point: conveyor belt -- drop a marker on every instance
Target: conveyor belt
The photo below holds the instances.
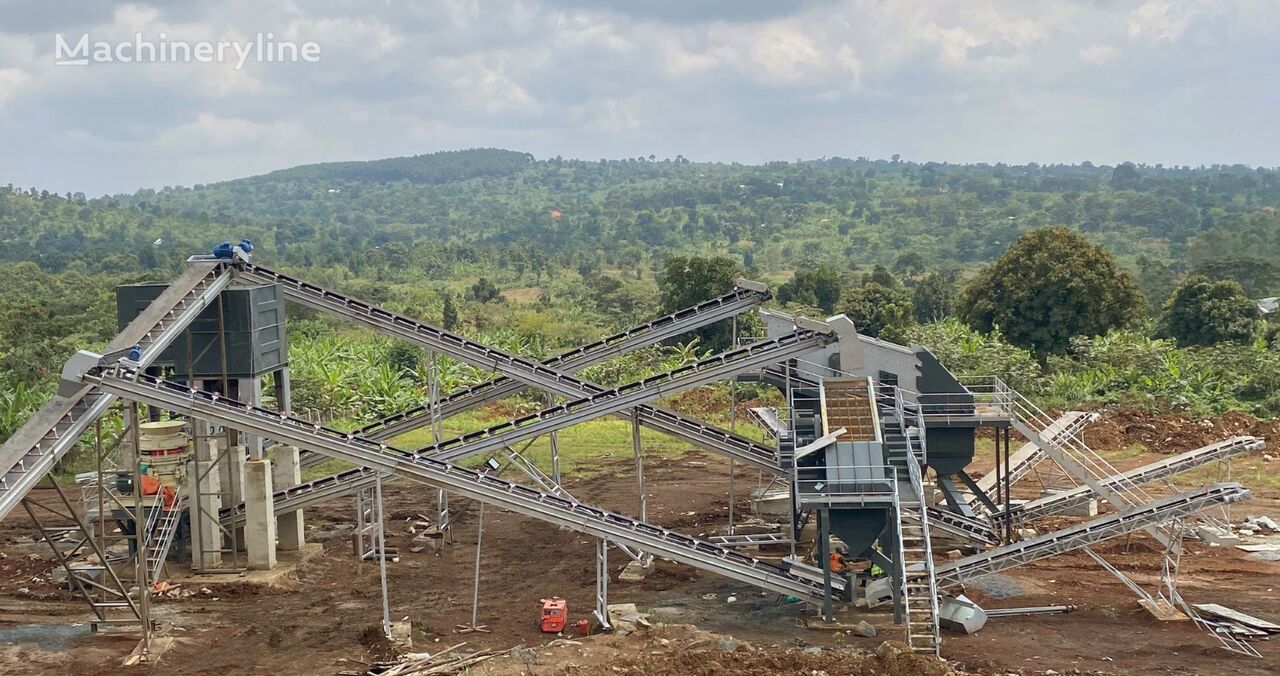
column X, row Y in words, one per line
column 495, row 438
column 54, row 429
column 660, row 329
column 1053, row 504
column 1144, row 516
column 701, row 372
column 510, row 365
column 122, row 381
column 958, row 525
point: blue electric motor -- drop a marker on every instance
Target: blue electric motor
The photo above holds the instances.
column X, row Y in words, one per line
column 227, row 250
column 135, row 353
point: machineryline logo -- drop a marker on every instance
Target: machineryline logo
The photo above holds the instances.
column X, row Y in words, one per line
column 82, row 50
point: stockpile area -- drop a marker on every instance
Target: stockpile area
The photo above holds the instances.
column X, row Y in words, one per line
column 318, row 620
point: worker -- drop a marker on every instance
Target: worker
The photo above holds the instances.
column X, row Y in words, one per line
column 837, row 563
column 840, row 568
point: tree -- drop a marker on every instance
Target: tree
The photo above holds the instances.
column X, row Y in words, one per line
column 689, row 280
column 1156, row 281
column 909, row 264
column 1047, row 287
column 1258, row 277
column 1204, row 312
column 880, row 275
column 876, row 309
column 1125, row 177
column 933, row 299
column 482, row 291
column 814, row 286
column 449, row 313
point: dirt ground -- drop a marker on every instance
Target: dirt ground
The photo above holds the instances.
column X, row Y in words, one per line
column 314, row 624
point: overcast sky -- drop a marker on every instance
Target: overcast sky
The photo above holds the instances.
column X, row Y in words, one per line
column 1172, row 81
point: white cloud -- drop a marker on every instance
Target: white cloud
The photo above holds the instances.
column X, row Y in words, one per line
column 11, row 81
column 591, row 78
column 1161, row 19
column 1098, row 54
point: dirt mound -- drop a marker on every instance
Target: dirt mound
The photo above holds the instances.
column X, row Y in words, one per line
column 684, row 649
column 1170, row 433
column 376, row 644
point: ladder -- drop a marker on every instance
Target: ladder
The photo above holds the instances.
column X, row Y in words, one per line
column 906, row 450
column 162, row 535
column 53, row 430
column 127, row 382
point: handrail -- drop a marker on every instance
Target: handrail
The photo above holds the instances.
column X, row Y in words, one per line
column 902, row 566
column 831, row 484
column 917, row 484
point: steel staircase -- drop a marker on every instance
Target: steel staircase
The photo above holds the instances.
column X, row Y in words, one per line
column 1025, row 459
column 905, row 450
column 1077, row 459
column 162, row 535
column 53, row 430
column 741, row 299
column 122, row 380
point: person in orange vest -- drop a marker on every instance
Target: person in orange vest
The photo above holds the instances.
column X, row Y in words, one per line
column 836, row 562
column 152, row 485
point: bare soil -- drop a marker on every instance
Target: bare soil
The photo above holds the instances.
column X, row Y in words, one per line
column 319, row 622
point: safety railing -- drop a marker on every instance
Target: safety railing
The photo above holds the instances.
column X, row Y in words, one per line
column 1027, row 412
column 829, row 484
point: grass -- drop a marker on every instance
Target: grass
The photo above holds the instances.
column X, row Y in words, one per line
column 582, row 447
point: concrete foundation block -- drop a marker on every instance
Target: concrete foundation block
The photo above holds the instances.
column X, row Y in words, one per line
column 286, row 471
column 1087, row 509
column 260, row 517
column 635, row 572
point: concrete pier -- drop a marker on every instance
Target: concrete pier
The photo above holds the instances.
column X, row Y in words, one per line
column 260, row 518
column 286, row 471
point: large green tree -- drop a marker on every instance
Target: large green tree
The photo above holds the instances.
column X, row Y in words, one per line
column 815, row 286
column 1049, row 286
column 933, row 298
column 1206, row 312
column 877, row 309
column 689, row 280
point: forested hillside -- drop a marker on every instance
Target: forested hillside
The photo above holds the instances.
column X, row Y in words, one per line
column 538, row 255
column 836, row 211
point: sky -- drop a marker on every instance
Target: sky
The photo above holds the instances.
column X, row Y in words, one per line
column 1157, row 81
